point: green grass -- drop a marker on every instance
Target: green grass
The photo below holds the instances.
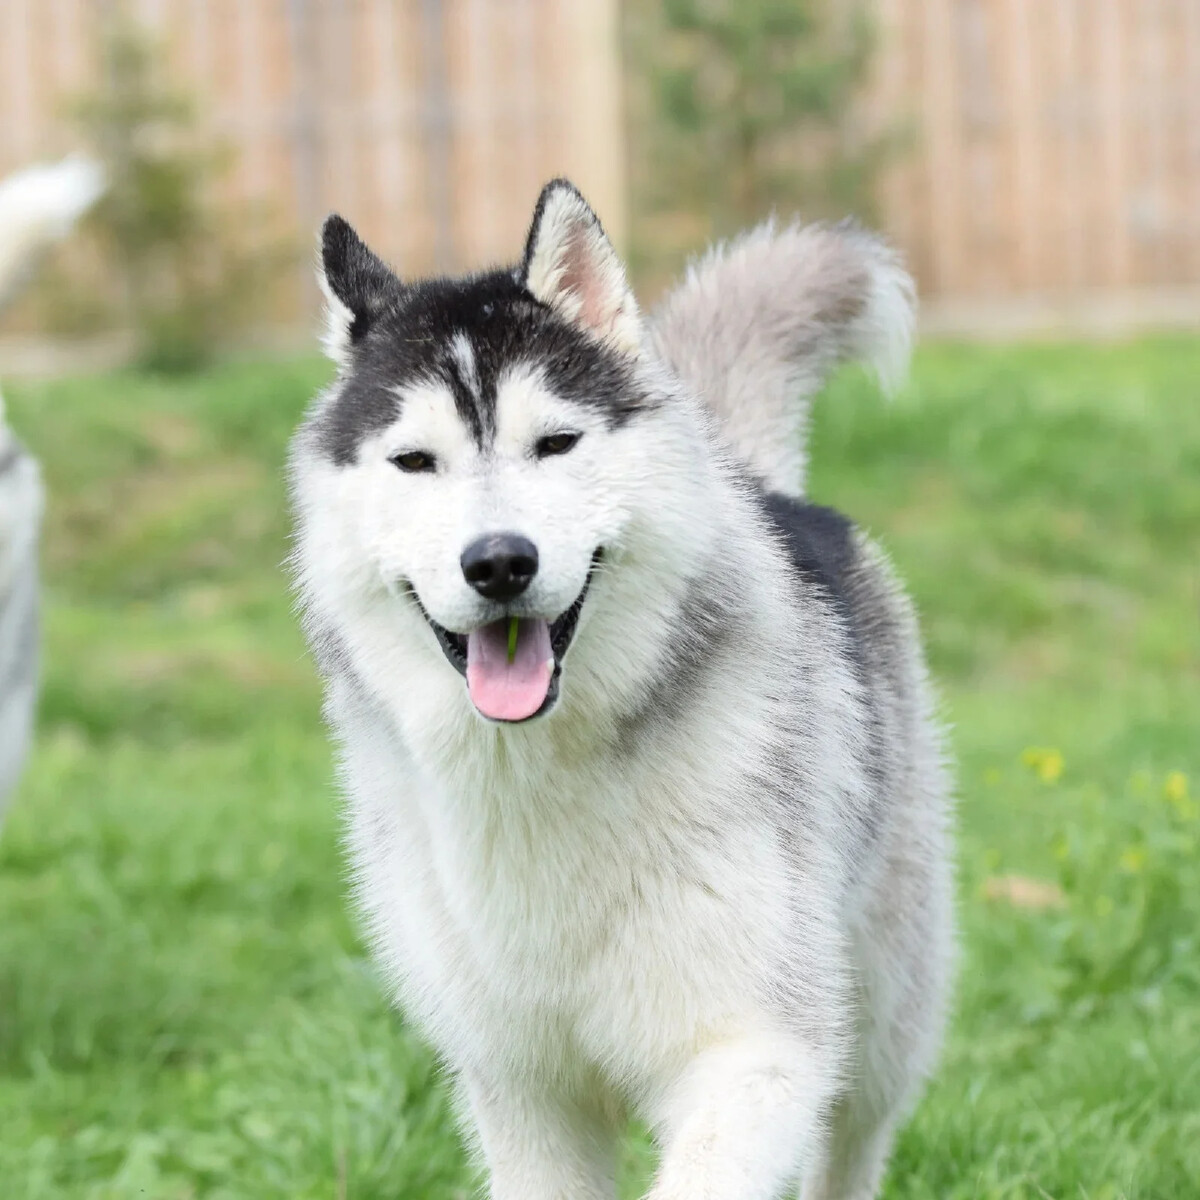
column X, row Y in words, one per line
column 185, row 1010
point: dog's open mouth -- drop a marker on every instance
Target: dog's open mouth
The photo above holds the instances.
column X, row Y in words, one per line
column 512, row 666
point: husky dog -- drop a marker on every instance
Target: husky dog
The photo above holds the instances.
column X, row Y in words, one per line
column 37, row 206
column 647, row 806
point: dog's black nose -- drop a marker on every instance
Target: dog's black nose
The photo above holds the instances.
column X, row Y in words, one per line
column 500, row 565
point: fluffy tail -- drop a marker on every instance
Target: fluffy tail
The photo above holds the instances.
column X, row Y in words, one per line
column 37, row 207
column 758, row 324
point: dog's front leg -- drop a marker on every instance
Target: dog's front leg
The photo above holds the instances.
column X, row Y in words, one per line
column 542, row 1147
column 743, row 1120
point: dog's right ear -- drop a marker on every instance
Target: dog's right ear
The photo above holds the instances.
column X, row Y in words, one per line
column 358, row 287
column 571, row 266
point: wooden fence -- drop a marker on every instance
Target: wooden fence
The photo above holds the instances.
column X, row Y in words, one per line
column 1053, row 177
column 1056, row 173
column 431, row 124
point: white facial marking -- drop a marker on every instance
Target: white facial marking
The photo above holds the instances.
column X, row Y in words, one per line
column 335, row 336
column 463, row 354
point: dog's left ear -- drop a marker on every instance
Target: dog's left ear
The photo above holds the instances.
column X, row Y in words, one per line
column 571, row 265
column 358, row 286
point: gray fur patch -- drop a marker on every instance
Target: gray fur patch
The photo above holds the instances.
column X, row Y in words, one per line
column 18, row 669
column 705, row 628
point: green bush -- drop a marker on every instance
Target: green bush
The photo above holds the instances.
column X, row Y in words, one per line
column 189, row 273
column 744, row 106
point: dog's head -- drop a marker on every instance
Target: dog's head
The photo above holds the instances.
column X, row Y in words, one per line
column 476, row 468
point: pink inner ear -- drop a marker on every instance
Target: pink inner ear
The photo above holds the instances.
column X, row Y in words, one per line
column 581, row 277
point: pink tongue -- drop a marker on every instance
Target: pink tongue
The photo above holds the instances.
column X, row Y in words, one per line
column 503, row 690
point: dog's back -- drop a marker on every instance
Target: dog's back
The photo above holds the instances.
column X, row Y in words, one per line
column 20, row 515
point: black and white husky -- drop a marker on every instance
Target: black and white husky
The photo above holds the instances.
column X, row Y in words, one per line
column 647, row 804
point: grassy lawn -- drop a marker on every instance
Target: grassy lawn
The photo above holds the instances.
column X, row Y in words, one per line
column 185, row 1010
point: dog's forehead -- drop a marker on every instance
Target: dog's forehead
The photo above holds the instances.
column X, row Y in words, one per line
column 470, row 336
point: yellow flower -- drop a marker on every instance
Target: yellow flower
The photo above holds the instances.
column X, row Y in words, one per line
column 1051, row 767
column 1176, row 788
column 1046, row 762
column 1134, row 859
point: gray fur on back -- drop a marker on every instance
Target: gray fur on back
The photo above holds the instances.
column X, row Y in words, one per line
column 759, row 322
column 20, row 515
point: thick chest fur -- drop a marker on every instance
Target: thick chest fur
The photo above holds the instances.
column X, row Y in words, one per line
column 603, row 926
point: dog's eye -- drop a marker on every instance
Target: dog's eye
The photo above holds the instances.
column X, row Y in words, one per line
column 414, row 460
column 556, row 443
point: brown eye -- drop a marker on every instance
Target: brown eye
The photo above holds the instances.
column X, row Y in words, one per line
column 414, row 460
column 556, row 443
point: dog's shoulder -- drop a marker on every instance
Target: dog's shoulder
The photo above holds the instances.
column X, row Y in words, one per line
column 821, row 544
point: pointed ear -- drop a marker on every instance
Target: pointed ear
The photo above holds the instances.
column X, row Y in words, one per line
column 571, row 265
column 358, row 286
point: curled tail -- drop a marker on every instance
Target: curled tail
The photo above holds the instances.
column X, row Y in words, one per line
column 757, row 325
column 38, row 205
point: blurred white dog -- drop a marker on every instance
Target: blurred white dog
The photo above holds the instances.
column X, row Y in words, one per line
column 37, row 207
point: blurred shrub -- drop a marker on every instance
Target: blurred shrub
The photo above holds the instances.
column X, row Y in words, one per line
column 189, row 273
column 744, row 106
